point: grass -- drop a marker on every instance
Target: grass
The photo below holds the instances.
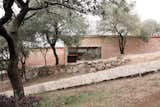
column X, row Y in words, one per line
column 119, row 93
column 87, row 98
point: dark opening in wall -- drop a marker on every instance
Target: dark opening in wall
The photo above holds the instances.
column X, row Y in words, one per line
column 83, row 53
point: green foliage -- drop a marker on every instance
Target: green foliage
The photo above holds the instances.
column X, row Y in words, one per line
column 83, row 6
column 58, row 24
column 45, row 103
column 117, row 18
column 144, row 35
column 3, row 43
column 148, row 27
column 71, row 41
column 24, row 52
column 71, row 101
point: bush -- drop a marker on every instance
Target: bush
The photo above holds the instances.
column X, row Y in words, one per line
column 29, row 101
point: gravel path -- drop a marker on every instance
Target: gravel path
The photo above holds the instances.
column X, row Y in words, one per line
column 115, row 73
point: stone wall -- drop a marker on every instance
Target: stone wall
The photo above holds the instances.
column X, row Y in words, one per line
column 79, row 67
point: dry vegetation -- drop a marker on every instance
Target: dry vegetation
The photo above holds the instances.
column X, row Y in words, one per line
column 135, row 92
column 130, row 92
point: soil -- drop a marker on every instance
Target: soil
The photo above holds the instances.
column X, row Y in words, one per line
column 127, row 92
column 131, row 92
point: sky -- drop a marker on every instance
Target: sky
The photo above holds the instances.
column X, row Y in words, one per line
column 148, row 9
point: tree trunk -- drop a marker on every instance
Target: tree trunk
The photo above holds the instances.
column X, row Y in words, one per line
column 12, row 71
column 122, row 51
column 23, row 70
column 55, row 54
column 44, row 54
column 45, row 60
column 122, row 43
column 52, row 45
column 14, row 77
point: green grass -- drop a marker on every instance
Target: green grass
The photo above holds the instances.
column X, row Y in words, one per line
column 76, row 100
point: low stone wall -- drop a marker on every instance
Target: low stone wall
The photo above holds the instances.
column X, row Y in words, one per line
column 79, row 67
column 92, row 78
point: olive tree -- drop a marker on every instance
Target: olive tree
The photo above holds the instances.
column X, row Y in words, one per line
column 59, row 24
column 11, row 22
column 148, row 28
column 119, row 20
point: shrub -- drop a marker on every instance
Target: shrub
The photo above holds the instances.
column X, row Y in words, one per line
column 29, row 101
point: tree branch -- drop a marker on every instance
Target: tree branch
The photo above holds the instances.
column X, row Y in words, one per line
column 38, row 8
column 64, row 5
column 9, row 40
column 20, row 3
column 7, row 5
column 27, row 18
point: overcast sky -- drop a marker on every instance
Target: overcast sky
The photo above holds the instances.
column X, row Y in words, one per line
column 148, row 9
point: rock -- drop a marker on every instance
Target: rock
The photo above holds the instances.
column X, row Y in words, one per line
column 92, row 70
column 75, row 69
column 62, row 70
column 100, row 67
column 82, row 70
column 108, row 65
column 81, row 67
column 69, row 70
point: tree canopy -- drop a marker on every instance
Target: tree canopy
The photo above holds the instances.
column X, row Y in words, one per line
column 118, row 18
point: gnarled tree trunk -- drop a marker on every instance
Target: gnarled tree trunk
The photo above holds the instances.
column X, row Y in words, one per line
column 12, row 71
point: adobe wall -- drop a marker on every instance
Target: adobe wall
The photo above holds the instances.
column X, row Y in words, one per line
column 36, row 58
column 110, row 48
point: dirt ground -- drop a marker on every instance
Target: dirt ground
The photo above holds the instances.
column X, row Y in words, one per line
column 131, row 92
column 5, row 85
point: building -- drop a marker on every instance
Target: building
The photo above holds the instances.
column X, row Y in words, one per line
column 96, row 47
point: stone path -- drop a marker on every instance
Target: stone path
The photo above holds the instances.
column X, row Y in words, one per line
column 115, row 73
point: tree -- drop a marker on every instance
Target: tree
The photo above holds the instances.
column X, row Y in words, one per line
column 44, row 54
column 148, row 28
column 14, row 22
column 13, row 63
column 40, row 43
column 119, row 20
column 58, row 26
column 23, row 55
